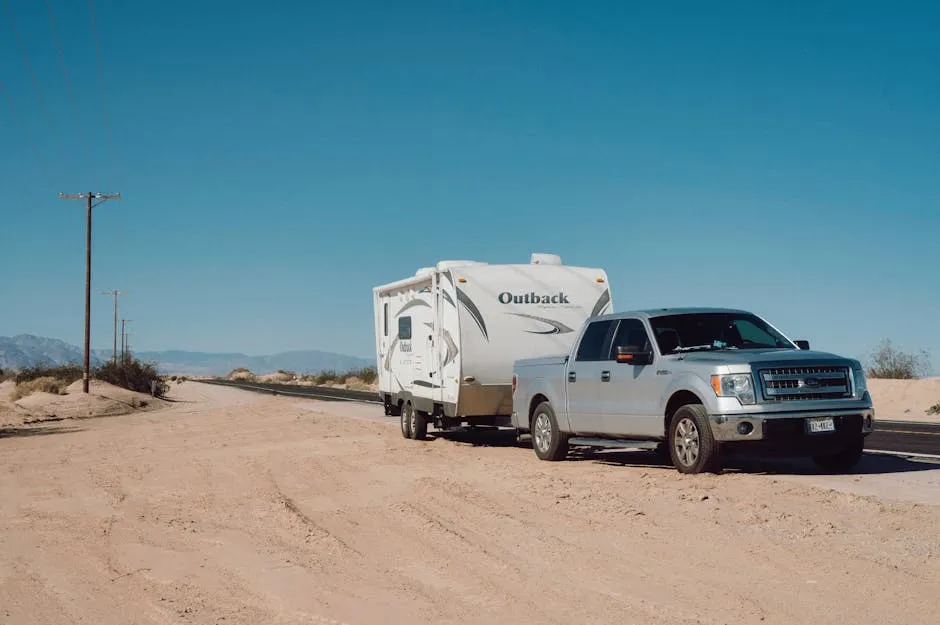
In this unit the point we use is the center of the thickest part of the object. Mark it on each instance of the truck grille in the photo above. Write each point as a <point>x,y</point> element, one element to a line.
<point>805,383</point>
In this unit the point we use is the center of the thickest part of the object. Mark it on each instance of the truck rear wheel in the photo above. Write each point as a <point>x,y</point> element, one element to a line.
<point>548,441</point>
<point>692,448</point>
<point>405,417</point>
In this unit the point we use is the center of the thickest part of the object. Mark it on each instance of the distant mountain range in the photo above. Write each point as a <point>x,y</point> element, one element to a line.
<point>26,350</point>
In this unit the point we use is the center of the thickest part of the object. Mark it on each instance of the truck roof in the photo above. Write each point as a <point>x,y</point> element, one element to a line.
<point>651,313</point>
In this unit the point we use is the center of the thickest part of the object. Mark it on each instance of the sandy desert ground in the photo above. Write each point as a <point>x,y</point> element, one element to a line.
<point>906,400</point>
<point>236,508</point>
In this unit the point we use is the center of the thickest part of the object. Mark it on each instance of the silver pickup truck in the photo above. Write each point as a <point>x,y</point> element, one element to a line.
<point>694,383</point>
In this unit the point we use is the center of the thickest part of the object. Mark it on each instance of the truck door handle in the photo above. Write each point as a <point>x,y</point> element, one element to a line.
<point>605,376</point>
<point>572,376</point>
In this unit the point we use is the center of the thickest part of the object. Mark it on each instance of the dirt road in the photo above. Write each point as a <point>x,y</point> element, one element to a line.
<point>237,508</point>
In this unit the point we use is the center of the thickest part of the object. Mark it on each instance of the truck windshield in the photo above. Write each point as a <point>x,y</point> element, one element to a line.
<point>719,330</point>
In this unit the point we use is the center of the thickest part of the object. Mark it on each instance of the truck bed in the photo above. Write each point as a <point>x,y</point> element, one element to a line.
<point>556,359</point>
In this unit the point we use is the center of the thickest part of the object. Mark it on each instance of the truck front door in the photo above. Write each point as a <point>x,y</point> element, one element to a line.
<point>636,390</point>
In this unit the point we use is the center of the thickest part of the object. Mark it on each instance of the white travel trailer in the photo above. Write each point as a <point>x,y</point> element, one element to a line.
<point>446,338</point>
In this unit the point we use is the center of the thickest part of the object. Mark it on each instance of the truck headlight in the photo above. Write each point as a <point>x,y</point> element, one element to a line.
<point>737,385</point>
<point>861,384</point>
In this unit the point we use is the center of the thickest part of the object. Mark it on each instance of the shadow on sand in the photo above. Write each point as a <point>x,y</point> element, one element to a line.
<point>37,430</point>
<point>870,464</point>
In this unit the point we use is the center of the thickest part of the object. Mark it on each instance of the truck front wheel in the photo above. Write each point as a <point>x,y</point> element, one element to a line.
<point>692,448</point>
<point>548,441</point>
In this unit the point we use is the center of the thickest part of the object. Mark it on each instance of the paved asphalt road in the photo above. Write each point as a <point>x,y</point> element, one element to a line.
<point>894,436</point>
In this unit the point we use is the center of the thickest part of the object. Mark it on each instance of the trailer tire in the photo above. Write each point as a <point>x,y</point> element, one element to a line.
<point>548,442</point>
<point>419,425</point>
<point>405,418</point>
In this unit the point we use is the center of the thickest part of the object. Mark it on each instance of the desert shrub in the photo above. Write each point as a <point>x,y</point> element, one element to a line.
<point>172,378</point>
<point>934,410</point>
<point>367,375</point>
<point>241,373</point>
<point>325,377</point>
<point>45,384</point>
<point>68,373</point>
<point>133,375</point>
<point>891,363</point>
<point>6,375</point>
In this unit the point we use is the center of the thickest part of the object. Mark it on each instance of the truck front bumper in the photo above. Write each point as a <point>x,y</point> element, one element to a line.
<point>793,428</point>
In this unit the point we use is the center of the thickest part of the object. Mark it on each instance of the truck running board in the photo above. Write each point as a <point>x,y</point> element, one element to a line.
<point>607,442</point>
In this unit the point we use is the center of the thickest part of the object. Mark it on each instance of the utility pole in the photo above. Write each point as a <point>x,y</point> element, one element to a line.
<point>89,197</point>
<point>123,338</point>
<point>115,294</point>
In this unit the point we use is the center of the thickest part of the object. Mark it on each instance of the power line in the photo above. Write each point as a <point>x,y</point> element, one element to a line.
<point>104,100</point>
<point>89,197</point>
<point>29,69</point>
<point>19,123</point>
<point>65,73</point>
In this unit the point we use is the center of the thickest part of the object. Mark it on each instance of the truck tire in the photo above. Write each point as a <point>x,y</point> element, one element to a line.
<point>548,441</point>
<point>692,447</point>
<point>844,459</point>
<point>419,425</point>
<point>405,418</point>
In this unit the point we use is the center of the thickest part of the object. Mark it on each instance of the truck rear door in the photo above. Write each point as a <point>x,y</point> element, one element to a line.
<point>585,384</point>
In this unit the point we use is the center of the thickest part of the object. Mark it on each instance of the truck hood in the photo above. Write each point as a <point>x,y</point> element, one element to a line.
<point>760,356</point>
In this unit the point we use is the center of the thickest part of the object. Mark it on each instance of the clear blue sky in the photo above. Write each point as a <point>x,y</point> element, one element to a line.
<point>277,161</point>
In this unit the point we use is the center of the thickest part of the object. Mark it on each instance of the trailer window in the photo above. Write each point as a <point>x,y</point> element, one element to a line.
<point>404,328</point>
<point>596,336</point>
<point>385,319</point>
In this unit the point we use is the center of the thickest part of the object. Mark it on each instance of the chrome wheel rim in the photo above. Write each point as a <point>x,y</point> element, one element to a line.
<point>414,419</point>
<point>687,442</point>
<point>405,420</point>
<point>542,432</point>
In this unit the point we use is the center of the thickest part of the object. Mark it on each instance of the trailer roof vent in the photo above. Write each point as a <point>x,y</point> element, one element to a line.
<point>444,265</point>
<point>545,259</point>
<point>424,271</point>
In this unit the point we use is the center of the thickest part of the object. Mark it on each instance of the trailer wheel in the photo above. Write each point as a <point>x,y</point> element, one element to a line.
<point>548,441</point>
<point>692,447</point>
<point>419,425</point>
<point>405,418</point>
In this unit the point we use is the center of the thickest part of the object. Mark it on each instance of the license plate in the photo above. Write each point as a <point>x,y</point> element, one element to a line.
<point>816,425</point>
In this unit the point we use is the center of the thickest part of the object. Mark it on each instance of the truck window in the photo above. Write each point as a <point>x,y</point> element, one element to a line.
<point>404,328</point>
<point>595,338</point>
<point>630,332</point>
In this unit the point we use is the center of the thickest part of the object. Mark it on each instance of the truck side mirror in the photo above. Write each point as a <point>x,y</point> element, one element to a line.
<point>633,355</point>
<point>802,344</point>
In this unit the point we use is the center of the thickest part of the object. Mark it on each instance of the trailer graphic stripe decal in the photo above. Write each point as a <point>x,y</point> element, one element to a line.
<point>557,326</point>
<point>388,356</point>
<point>450,300</point>
<point>474,312</point>
<point>412,304</point>
<point>601,303</point>
<point>451,348</point>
